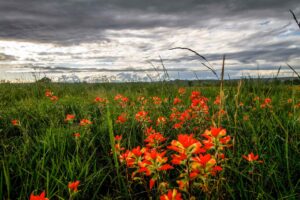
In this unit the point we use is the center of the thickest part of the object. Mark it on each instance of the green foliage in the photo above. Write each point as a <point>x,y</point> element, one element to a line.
<point>42,153</point>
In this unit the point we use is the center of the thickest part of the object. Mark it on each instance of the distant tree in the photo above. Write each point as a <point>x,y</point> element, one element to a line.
<point>44,80</point>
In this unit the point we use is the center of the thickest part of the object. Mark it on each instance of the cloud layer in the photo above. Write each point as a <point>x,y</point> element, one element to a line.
<point>77,36</point>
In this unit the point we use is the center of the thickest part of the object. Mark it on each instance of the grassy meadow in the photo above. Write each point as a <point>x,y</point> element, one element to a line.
<point>133,140</point>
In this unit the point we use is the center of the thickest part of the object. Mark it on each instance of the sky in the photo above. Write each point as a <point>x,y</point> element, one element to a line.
<point>130,40</point>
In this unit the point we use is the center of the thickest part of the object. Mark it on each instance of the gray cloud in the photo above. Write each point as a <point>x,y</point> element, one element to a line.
<point>75,21</point>
<point>119,36</point>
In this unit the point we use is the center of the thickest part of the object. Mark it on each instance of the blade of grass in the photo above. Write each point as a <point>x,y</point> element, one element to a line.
<point>112,144</point>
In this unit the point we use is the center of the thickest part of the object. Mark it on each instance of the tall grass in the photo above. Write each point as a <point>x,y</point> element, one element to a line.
<point>42,153</point>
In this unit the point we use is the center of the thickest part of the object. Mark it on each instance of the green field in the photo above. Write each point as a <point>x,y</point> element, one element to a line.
<point>39,151</point>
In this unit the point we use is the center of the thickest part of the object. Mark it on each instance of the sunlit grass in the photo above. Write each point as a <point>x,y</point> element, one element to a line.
<point>41,153</point>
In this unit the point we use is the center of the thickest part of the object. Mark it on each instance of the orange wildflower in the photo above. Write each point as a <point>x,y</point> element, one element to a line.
<point>171,195</point>
<point>217,100</point>
<point>161,120</point>
<point>121,118</point>
<point>38,197</point>
<point>250,157</point>
<point>176,101</point>
<point>195,95</point>
<point>69,117</point>
<point>73,186</point>
<point>85,122</point>
<point>54,98</point>
<point>118,137</point>
<point>48,93</point>
<point>181,91</point>
<point>100,100</point>
<point>15,122</point>
<point>76,135</point>
<point>246,117</point>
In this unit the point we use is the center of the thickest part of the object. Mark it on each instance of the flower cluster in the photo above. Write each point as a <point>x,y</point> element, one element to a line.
<point>196,158</point>
<point>51,95</point>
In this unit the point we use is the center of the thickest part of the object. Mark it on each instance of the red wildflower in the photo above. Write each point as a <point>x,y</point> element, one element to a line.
<point>204,160</point>
<point>38,197</point>
<point>165,167</point>
<point>250,157</point>
<point>195,95</point>
<point>156,100</point>
<point>69,117</point>
<point>118,137</point>
<point>121,118</point>
<point>54,98</point>
<point>161,120</point>
<point>177,101</point>
<point>100,100</point>
<point>76,135</point>
<point>185,144</point>
<point>85,122</point>
<point>217,100</point>
<point>178,125</point>
<point>73,186</point>
<point>171,195</point>
<point>151,183</point>
<point>141,116</point>
<point>48,93</point>
<point>267,100</point>
<point>153,140</point>
<point>178,159</point>
<point>256,98</point>
<point>181,91</point>
<point>15,122</point>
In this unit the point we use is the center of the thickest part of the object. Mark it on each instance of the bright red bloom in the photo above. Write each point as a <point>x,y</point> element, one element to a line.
<point>153,140</point>
<point>171,195</point>
<point>186,144</point>
<point>85,122</point>
<point>137,151</point>
<point>177,101</point>
<point>181,91</point>
<point>215,131</point>
<point>141,116</point>
<point>118,137</point>
<point>204,160</point>
<point>178,125</point>
<point>76,135</point>
<point>54,98</point>
<point>217,100</point>
<point>178,159</point>
<point>250,157</point>
<point>121,118</point>
<point>38,197</point>
<point>69,117</point>
<point>195,95</point>
<point>161,120</point>
<point>100,100</point>
<point>216,169</point>
<point>73,186</point>
<point>15,122</point>
<point>267,100</point>
<point>156,100</point>
<point>165,167</point>
<point>48,93</point>
<point>151,183</point>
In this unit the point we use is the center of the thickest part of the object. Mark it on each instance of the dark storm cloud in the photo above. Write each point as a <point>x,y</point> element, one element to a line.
<point>281,54</point>
<point>75,21</point>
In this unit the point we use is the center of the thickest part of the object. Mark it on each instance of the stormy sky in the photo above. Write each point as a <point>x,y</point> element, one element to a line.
<point>100,40</point>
